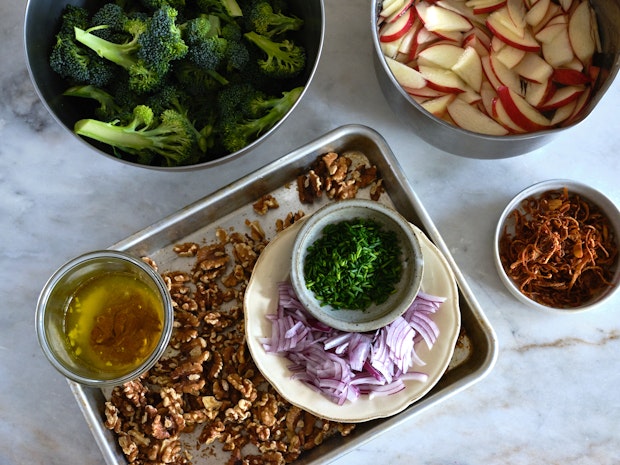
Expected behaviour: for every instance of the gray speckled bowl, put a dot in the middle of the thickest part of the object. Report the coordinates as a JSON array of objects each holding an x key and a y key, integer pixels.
[{"x": 376, "y": 316}]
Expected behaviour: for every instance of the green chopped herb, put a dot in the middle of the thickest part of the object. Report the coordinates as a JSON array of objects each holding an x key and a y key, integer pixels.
[{"x": 353, "y": 264}]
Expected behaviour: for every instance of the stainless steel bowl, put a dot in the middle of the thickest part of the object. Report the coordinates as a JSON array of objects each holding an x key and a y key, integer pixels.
[
  {"x": 40, "y": 28},
  {"x": 457, "y": 141}
]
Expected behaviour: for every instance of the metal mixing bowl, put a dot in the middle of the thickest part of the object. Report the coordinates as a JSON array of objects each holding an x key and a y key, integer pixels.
[
  {"x": 457, "y": 141},
  {"x": 41, "y": 25}
]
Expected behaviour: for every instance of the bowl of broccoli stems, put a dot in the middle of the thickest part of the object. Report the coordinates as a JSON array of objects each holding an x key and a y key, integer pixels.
[{"x": 172, "y": 84}]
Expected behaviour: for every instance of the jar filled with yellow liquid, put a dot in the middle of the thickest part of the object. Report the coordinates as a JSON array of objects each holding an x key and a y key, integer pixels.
[{"x": 104, "y": 318}]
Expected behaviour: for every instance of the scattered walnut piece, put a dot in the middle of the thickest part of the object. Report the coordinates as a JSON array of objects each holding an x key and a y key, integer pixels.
[
  {"x": 334, "y": 175},
  {"x": 266, "y": 202}
]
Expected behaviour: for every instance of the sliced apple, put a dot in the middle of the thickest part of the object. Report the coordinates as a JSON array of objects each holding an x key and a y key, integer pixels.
[
  {"x": 500, "y": 114},
  {"x": 518, "y": 38},
  {"x": 510, "y": 56},
  {"x": 563, "y": 113},
  {"x": 478, "y": 39},
  {"x": 469, "y": 68},
  {"x": 521, "y": 112},
  {"x": 489, "y": 73},
  {"x": 580, "y": 106},
  {"x": 406, "y": 4},
  {"x": 582, "y": 31},
  {"x": 389, "y": 7},
  {"x": 558, "y": 51},
  {"x": 406, "y": 76},
  {"x": 426, "y": 93},
  {"x": 441, "y": 54},
  {"x": 398, "y": 28},
  {"x": 443, "y": 79},
  {"x": 561, "y": 97},
  {"x": 471, "y": 118},
  {"x": 533, "y": 68},
  {"x": 480, "y": 7},
  {"x": 570, "y": 77},
  {"x": 436, "y": 18},
  {"x": 537, "y": 12},
  {"x": 506, "y": 76},
  {"x": 516, "y": 11},
  {"x": 538, "y": 92},
  {"x": 439, "y": 105}
]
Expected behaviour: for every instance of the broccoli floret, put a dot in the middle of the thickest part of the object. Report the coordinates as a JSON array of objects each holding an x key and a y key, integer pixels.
[
  {"x": 169, "y": 138},
  {"x": 156, "y": 4},
  {"x": 173, "y": 98},
  {"x": 285, "y": 59},
  {"x": 113, "y": 17},
  {"x": 262, "y": 19},
  {"x": 73, "y": 62},
  {"x": 197, "y": 81},
  {"x": 264, "y": 112},
  {"x": 108, "y": 109},
  {"x": 147, "y": 56},
  {"x": 225, "y": 9}
]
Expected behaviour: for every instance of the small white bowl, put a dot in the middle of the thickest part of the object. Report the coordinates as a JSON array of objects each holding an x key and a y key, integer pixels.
[
  {"x": 586, "y": 192},
  {"x": 375, "y": 316}
]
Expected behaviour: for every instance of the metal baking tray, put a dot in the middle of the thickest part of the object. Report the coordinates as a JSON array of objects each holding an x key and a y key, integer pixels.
[{"x": 476, "y": 349}]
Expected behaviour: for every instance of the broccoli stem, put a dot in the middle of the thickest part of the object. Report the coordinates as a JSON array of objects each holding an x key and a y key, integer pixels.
[
  {"x": 124, "y": 137},
  {"x": 121, "y": 54}
]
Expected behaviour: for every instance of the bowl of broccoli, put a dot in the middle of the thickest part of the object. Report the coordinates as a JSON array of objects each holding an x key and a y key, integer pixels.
[{"x": 172, "y": 84}]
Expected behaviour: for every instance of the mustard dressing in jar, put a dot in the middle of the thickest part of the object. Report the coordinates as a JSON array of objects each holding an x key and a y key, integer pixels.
[{"x": 113, "y": 322}]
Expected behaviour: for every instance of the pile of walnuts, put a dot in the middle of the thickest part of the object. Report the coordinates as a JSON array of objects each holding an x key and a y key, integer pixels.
[{"x": 206, "y": 382}]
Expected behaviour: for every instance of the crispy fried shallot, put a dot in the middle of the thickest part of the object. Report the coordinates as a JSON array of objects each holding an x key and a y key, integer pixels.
[{"x": 562, "y": 250}]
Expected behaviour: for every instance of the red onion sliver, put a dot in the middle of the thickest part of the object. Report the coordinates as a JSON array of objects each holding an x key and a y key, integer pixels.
[{"x": 343, "y": 366}]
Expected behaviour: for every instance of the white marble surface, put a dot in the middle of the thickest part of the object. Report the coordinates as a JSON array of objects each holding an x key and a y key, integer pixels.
[{"x": 552, "y": 397}]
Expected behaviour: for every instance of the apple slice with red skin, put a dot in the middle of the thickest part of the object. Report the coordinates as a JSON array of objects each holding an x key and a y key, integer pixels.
[
  {"x": 439, "y": 105},
  {"x": 510, "y": 56},
  {"x": 563, "y": 113},
  {"x": 582, "y": 32},
  {"x": 561, "y": 97},
  {"x": 426, "y": 93},
  {"x": 506, "y": 76},
  {"x": 480, "y": 7},
  {"x": 406, "y": 76},
  {"x": 492, "y": 78},
  {"x": 397, "y": 29},
  {"x": 570, "y": 77},
  {"x": 442, "y": 54},
  {"x": 580, "y": 106},
  {"x": 533, "y": 68},
  {"x": 496, "y": 22},
  {"x": 406, "y": 4},
  {"x": 521, "y": 112},
  {"x": 479, "y": 40},
  {"x": 469, "y": 68},
  {"x": 537, "y": 12},
  {"x": 500, "y": 114},
  {"x": 389, "y": 7},
  {"x": 538, "y": 92},
  {"x": 558, "y": 51},
  {"x": 516, "y": 11},
  {"x": 470, "y": 118},
  {"x": 436, "y": 18},
  {"x": 442, "y": 79}
]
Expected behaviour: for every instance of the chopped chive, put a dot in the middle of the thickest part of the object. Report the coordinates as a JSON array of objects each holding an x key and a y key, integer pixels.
[{"x": 353, "y": 264}]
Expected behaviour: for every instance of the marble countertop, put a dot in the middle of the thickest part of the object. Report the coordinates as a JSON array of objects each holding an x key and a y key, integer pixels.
[{"x": 552, "y": 397}]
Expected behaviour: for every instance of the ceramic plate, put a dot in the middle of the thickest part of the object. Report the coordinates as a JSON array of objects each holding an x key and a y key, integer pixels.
[{"x": 261, "y": 299}]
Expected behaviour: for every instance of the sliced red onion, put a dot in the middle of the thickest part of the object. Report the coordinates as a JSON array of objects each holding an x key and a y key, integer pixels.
[{"x": 343, "y": 366}]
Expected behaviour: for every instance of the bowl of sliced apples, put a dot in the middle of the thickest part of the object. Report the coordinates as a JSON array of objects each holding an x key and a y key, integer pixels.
[{"x": 495, "y": 78}]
